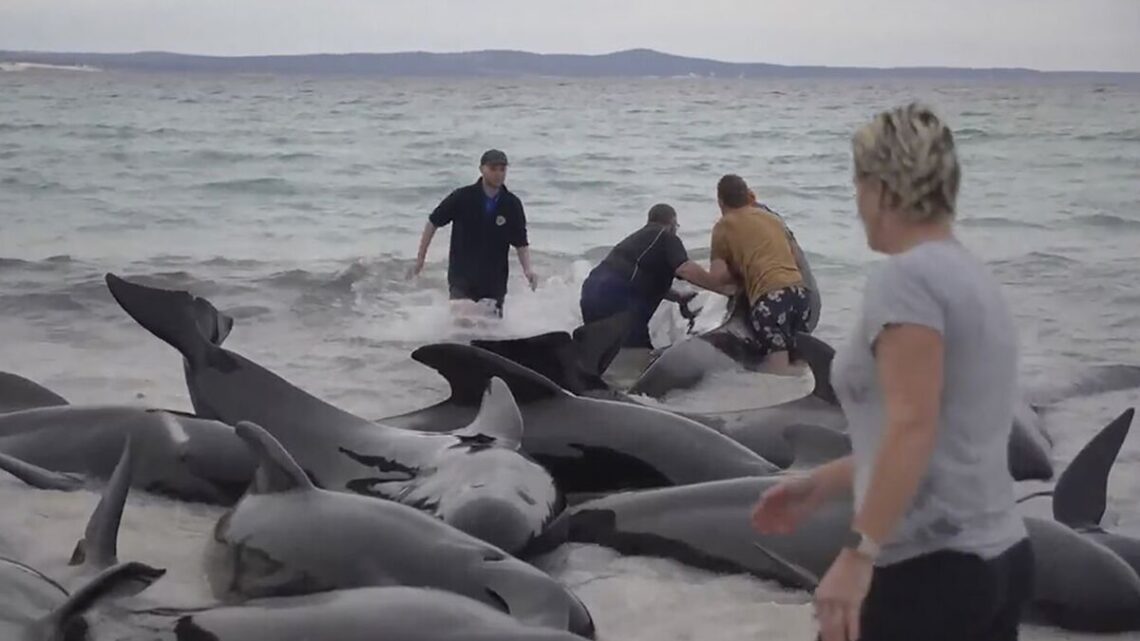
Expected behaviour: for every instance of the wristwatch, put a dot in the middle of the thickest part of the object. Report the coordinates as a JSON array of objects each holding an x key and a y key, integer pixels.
[{"x": 862, "y": 544}]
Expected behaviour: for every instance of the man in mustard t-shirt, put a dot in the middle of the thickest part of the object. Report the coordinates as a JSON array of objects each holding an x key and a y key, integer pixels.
[{"x": 750, "y": 246}]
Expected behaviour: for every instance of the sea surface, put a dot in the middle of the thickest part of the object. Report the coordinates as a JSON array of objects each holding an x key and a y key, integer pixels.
[{"x": 295, "y": 205}]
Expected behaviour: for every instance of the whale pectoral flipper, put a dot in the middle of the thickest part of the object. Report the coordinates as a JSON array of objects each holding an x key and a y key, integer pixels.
[
  {"x": 39, "y": 477},
  {"x": 536, "y": 601},
  {"x": 1079, "y": 497},
  {"x": 99, "y": 546},
  {"x": 277, "y": 471},
  {"x": 468, "y": 370}
]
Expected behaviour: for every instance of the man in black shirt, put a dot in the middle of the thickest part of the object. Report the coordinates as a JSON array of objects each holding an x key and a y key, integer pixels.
[
  {"x": 488, "y": 219},
  {"x": 638, "y": 273}
]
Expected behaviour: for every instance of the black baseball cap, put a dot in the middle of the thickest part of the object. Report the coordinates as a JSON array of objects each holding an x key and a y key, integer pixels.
[{"x": 493, "y": 157}]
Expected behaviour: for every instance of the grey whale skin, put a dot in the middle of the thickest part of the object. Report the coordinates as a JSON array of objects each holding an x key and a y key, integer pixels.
[
  {"x": 473, "y": 477},
  {"x": 286, "y": 537},
  {"x": 1081, "y": 583},
  {"x": 589, "y": 445},
  {"x": 38, "y": 607},
  {"x": 180, "y": 456},
  {"x": 398, "y": 613},
  {"x": 803, "y": 431}
]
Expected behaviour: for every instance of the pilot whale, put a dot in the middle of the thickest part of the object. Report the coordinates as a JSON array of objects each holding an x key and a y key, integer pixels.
[
  {"x": 806, "y": 430},
  {"x": 38, "y": 606},
  {"x": 1079, "y": 497},
  {"x": 1080, "y": 583},
  {"x": 801, "y": 432},
  {"x": 180, "y": 455},
  {"x": 356, "y": 614},
  {"x": 287, "y": 537},
  {"x": 397, "y": 612},
  {"x": 588, "y": 444},
  {"x": 472, "y": 476},
  {"x": 35, "y": 608}
]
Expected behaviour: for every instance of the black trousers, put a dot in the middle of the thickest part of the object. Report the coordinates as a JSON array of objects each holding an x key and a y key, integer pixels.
[
  {"x": 949, "y": 596},
  {"x": 458, "y": 292}
]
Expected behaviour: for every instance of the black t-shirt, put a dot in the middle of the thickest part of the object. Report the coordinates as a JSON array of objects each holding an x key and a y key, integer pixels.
[
  {"x": 484, "y": 229},
  {"x": 649, "y": 258}
]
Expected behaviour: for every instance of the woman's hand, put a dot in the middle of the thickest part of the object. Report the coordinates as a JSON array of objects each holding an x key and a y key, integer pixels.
[
  {"x": 840, "y": 594},
  {"x": 785, "y": 505}
]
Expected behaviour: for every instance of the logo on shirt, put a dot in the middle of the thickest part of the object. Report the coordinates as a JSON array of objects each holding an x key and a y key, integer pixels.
[{"x": 500, "y": 221}]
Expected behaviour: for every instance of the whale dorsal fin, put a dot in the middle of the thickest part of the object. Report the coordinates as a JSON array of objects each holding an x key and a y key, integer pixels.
[
  {"x": 120, "y": 581},
  {"x": 98, "y": 549},
  {"x": 1080, "y": 494},
  {"x": 573, "y": 362},
  {"x": 819, "y": 356},
  {"x": 18, "y": 393},
  {"x": 498, "y": 417},
  {"x": 276, "y": 469},
  {"x": 38, "y": 477},
  {"x": 550, "y": 355},
  {"x": 468, "y": 369}
]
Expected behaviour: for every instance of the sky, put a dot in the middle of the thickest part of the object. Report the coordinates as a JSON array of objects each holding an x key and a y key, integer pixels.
[{"x": 1094, "y": 35}]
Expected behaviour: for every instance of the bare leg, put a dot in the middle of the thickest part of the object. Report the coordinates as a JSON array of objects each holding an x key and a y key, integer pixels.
[{"x": 778, "y": 363}]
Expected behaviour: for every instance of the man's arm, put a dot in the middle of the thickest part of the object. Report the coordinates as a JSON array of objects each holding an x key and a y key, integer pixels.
[
  {"x": 720, "y": 274},
  {"x": 522, "y": 246},
  {"x": 425, "y": 242},
  {"x": 524, "y": 260},
  {"x": 443, "y": 214},
  {"x": 697, "y": 275},
  {"x": 677, "y": 259}
]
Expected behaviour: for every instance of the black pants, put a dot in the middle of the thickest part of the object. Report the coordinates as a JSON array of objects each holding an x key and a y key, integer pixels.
[
  {"x": 605, "y": 293},
  {"x": 459, "y": 292},
  {"x": 949, "y": 596}
]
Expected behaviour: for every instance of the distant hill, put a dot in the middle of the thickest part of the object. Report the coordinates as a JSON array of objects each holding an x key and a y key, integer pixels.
[{"x": 631, "y": 63}]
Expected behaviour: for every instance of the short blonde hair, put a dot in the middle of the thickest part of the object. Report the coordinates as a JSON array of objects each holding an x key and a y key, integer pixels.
[{"x": 912, "y": 152}]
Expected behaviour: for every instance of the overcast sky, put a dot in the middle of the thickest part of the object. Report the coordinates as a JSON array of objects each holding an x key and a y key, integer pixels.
[{"x": 1041, "y": 34}]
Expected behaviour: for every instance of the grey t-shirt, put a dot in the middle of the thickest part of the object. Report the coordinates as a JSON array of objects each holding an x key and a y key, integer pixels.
[{"x": 966, "y": 501}]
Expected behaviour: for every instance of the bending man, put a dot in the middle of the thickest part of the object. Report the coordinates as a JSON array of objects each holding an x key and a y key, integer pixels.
[
  {"x": 638, "y": 274},
  {"x": 751, "y": 245}
]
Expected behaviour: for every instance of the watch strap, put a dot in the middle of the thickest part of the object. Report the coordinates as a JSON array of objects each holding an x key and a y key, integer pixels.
[{"x": 862, "y": 544}]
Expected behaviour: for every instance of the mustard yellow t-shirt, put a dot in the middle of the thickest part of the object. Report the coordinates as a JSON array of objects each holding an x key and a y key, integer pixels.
[{"x": 755, "y": 246}]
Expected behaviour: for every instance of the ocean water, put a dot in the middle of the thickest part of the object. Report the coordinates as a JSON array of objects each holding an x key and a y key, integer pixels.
[{"x": 295, "y": 205}]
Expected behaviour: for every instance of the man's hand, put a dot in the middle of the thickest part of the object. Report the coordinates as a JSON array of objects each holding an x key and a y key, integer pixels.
[
  {"x": 683, "y": 303},
  {"x": 532, "y": 278},
  {"x": 415, "y": 270}
]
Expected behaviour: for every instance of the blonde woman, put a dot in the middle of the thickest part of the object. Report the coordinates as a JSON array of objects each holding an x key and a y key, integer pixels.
[{"x": 927, "y": 381}]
